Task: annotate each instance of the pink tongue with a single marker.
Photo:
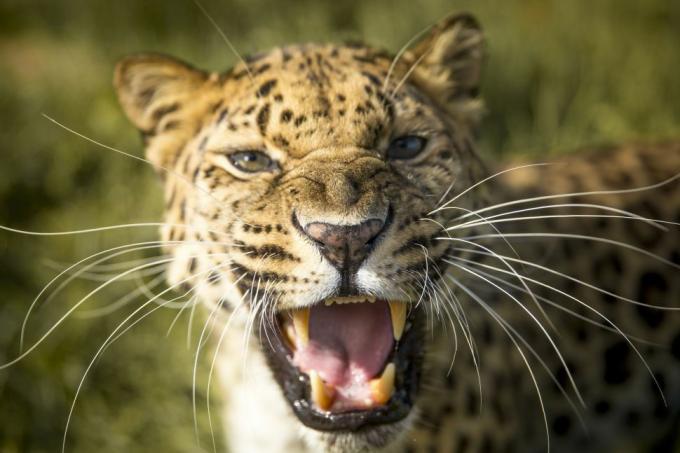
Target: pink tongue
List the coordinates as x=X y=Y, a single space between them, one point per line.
x=348 y=343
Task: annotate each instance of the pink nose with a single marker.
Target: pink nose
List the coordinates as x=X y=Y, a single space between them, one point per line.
x=345 y=245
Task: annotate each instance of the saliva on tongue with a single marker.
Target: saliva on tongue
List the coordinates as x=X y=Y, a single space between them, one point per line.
x=348 y=346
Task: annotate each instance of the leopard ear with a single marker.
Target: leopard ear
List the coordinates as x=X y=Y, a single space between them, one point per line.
x=447 y=64
x=152 y=86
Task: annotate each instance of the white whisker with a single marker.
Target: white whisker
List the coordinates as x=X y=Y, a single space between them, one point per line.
x=401 y=52
x=578 y=236
x=535 y=321
x=546 y=300
x=488 y=178
x=575 y=194
x=615 y=326
x=106 y=344
x=575 y=280
x=502 y=323
x=224 y=37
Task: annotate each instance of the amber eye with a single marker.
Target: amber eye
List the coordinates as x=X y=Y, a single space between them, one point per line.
x=252 y=161
x=406 y=147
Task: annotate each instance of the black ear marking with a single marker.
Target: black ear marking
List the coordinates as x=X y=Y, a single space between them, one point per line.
x=151 y=86
x=447 y=63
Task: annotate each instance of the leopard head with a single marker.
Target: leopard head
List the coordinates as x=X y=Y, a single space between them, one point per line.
x=301 y=189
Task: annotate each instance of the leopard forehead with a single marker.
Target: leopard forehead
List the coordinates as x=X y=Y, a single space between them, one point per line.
x=304 y=98
x=326 y=113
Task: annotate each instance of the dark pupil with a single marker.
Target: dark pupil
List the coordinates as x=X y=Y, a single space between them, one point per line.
x=406 y=147
x=251 y=161
x=409 y=144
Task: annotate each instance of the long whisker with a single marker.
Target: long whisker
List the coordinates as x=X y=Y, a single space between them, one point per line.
x=95 y=271
x=474 y=224
x=410 y=71
x=224 y=37
x=180 y=176
x=579 y=236
x=624 y=214
x=145 y=315
x=190 y=325
x=597 y=206
x=103 y=276
x=488 y=178
x=575 y=194
x=502 y=323
x=212 y=366
x=545 y=299
x=401 y=52
x=200 y=343
x=467 y=335
x=484 y=221
x=121 y=302
x=106 y=344
x=69 y=312
x=125 y=249
x=190 y=303
x=104 y=228
x=535 y=320
x=545 y=366
x=119 y=250
x=22 y=355
x=575 y=280
x=618 y=330
x=510 y=267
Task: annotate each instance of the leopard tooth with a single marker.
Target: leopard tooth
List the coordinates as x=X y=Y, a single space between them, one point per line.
x=350 y=300
x=301 y=323
x=398 y=315
x=322 y=396
x=382 y=388
x=289 y=330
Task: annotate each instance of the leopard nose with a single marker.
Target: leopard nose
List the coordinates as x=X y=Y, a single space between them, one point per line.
x=345 y=246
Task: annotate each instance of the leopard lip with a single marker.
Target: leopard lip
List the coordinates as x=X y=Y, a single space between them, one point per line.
x=392 y=389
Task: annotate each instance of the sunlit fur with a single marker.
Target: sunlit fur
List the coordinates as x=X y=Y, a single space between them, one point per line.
x=326 y=114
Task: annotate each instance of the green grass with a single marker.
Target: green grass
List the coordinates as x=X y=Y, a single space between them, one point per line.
x=560 y=75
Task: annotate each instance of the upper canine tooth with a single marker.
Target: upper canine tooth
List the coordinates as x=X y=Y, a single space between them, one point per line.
x=289 y=330
x=382 y=388
x=398 y=314
x=301 y=323
x=321 y=395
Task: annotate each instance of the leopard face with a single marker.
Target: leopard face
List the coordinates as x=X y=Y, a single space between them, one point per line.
x=300 y=190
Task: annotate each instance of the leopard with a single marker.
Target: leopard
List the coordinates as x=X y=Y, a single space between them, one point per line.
x=379 y=286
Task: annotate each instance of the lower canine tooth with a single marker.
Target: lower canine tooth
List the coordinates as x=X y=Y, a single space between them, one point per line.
x=301 y=323
x=321 y=395
x=382 y=388
x=398 y=313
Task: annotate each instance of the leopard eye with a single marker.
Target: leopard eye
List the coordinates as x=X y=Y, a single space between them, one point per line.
x=406 y=147
x=252 y=161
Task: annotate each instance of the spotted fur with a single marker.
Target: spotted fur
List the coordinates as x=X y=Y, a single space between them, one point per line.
x=326 y=114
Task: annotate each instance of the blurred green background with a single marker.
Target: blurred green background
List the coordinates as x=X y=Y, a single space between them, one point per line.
x=560 y=75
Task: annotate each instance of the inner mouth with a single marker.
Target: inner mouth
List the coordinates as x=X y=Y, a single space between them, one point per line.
x=347 y=362
x=343 y=345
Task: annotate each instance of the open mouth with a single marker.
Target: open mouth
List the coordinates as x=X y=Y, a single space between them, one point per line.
x=347 y=363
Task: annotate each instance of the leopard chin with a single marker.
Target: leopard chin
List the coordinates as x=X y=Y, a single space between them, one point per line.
x=377 y=438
